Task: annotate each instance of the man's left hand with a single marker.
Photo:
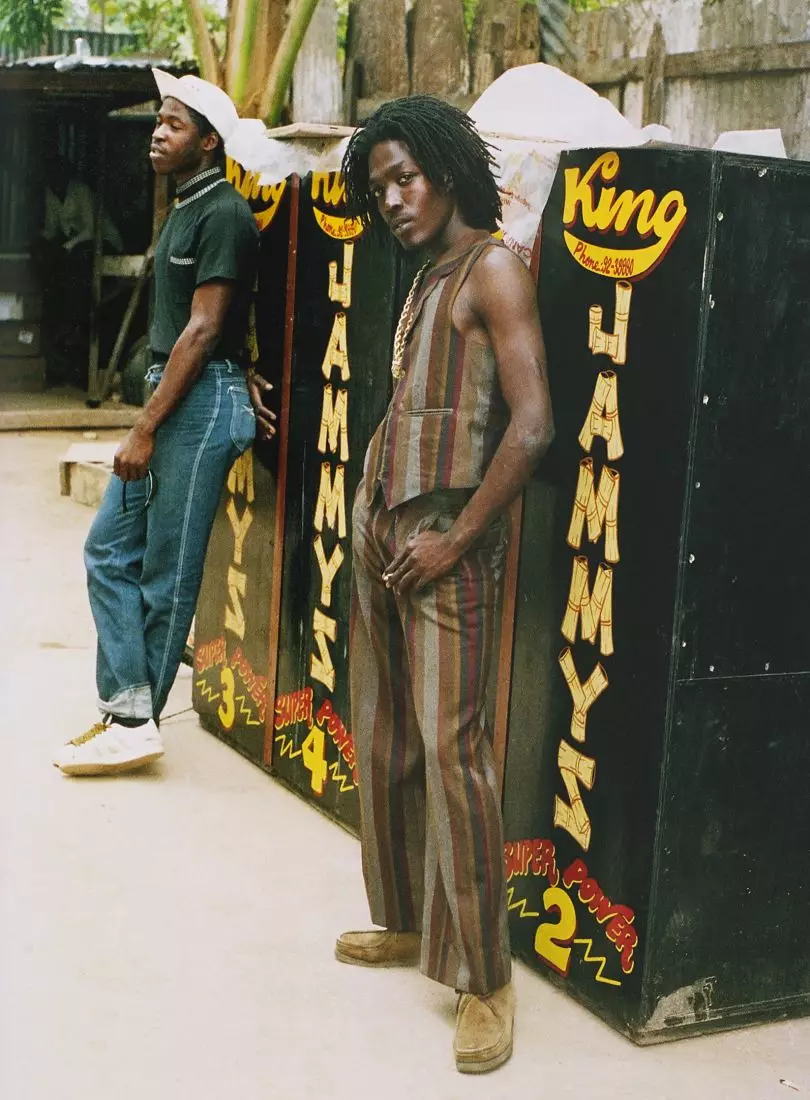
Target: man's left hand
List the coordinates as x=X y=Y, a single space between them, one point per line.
x=132 y=458
x=424 y=558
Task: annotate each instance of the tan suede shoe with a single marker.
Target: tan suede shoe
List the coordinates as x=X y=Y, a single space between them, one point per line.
x=379 y=948
x=484 y=1028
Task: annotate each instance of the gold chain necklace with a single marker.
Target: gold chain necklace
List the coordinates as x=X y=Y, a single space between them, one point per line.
x=404 y=326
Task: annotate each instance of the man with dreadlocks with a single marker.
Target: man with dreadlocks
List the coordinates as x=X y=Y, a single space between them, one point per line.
x=468 y=421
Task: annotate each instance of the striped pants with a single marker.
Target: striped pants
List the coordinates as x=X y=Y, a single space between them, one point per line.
x=431 y=829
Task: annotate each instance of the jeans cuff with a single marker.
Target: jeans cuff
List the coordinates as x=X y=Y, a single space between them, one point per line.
x=132 y=702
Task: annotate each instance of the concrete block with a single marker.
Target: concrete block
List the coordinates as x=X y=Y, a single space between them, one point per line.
x=85 y=470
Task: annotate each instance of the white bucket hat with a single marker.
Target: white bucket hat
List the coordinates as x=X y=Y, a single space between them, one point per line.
x=211 y=102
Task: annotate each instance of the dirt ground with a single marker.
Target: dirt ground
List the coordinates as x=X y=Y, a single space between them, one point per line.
x=169 y=935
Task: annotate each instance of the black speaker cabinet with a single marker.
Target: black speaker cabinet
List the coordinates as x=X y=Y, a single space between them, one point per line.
x=272 y=636
x=656 y=808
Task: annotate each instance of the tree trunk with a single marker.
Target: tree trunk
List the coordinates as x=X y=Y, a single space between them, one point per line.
x=203 y=44
x=377 y=43
x=277 y=82
x=506 y=34
x=317 y=93
x=243 y=17
x=440 y=58
x=266 y=40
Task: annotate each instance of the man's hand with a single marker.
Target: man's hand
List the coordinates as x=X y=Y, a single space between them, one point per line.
x=265 y=417
x=424 y=558
x=132 y=458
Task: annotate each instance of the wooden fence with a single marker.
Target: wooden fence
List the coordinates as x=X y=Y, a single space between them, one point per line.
x=746 y=65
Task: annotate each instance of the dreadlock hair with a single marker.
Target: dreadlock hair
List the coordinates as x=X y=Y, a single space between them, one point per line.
x=444 y=143
x=205 y=128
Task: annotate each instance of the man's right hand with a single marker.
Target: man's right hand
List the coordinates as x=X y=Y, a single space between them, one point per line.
x=132 y=458
x=258 y=387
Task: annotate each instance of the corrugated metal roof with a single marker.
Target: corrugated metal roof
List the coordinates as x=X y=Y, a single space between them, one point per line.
x=73 y=63
x=62 y=40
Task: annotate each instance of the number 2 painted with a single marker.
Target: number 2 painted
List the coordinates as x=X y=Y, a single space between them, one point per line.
x=552 y=939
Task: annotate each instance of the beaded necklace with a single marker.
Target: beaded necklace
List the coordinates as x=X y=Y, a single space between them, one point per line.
x=196 y=179
x=199 y=194
x=404 y=326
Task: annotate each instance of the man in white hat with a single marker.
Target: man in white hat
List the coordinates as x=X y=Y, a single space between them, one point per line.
x=145 y=551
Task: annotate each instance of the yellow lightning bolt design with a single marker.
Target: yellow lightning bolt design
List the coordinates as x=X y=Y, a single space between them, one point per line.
x=246 y=713
x=520 y=904
x=287 y=746
x=589 y=958
x=207 y=692
x=338 y=775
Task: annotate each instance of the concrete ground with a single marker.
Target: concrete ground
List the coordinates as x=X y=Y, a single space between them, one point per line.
x=169 y=935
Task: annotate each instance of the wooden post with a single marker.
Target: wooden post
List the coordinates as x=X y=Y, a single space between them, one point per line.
x=441 y=63
x=654 y=85
x=274 y=628
x=98 y=250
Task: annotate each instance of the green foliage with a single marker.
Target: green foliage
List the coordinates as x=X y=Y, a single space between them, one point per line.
x=26 y=24
x=592 y=5
x=161 y=27
x=470 y=8
x=342 y=27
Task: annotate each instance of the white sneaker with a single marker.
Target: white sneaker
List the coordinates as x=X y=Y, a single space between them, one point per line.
x=107 y=748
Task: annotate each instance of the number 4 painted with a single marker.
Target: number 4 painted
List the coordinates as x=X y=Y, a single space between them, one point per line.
x=313 y=754
x=552 y=939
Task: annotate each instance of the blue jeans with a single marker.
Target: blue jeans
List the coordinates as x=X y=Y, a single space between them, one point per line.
x=146 y=548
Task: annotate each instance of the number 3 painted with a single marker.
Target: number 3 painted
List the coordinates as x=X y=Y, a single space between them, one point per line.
x=551 y=941
x=227 y=708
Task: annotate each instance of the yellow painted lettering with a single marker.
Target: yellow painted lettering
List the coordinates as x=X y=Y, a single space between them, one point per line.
x=662 y=218
x=575 y=768
x=334 y=423
x=328 y=568
x=584 y=695
x=618 y=213
x=240 y=477
x=592 y=610
x=227 y=707
x=613 y=343
x=329 y=186
x=321 y=667
x=341 y=291
x=579 y=188
x=600 y=508
x=670 y=216
x=331 y=505
x=337 y=350
x=234 y=175
x=603 y=417
x=240 y=525
x=235 y=615
x=313 y=756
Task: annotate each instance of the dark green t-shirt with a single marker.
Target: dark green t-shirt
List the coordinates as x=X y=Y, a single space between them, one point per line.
x=209 y=234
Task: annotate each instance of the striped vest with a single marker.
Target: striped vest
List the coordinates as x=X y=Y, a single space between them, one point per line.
x=447 y=415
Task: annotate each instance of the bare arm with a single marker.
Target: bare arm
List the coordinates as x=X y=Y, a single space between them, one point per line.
x=502 y=305
x=189 y=355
